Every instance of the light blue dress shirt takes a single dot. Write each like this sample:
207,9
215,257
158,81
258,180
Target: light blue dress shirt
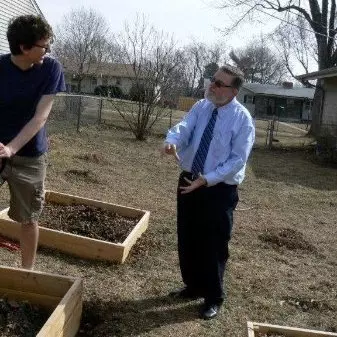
233,138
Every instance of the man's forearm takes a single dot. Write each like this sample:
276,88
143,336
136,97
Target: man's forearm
33,126
26,134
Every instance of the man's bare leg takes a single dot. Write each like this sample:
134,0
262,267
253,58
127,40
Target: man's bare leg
29,241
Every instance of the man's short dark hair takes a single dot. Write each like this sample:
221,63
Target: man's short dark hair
26,30
236,72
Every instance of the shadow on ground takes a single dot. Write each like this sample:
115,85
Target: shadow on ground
134,317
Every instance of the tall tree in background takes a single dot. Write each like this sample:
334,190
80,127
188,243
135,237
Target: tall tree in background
321,18
196,57
296,44
82,43
151,60
210,69
258,63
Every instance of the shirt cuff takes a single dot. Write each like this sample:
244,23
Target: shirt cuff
212,178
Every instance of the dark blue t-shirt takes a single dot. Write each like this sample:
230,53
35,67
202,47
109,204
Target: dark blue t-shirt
20,92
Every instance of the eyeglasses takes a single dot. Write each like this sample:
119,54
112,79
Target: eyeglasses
46,48
219,83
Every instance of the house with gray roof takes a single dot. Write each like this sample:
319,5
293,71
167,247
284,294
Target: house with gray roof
284,101
106,74
10,9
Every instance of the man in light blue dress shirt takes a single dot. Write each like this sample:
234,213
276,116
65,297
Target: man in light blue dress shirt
207,189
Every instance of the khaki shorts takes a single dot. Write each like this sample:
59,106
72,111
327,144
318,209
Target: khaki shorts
25,177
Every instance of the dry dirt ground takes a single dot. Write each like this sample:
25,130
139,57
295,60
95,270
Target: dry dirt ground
283,264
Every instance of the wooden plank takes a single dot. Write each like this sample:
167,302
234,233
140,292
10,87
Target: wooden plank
66,315
72,325
66,309
250,327
9,228
80,245
34,281
139,229
68,199
285,330
45,301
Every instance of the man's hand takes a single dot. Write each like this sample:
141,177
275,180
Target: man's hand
201,181
5,151
170,149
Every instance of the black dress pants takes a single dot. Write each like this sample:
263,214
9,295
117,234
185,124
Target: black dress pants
204,224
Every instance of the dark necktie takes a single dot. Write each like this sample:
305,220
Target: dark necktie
201,154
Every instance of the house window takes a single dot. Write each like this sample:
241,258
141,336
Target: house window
118,81
249,99
104,81
94,81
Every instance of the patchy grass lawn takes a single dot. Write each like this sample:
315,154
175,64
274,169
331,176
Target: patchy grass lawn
283,264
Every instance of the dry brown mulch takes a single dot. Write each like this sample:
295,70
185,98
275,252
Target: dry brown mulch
92,222
288,238
20,319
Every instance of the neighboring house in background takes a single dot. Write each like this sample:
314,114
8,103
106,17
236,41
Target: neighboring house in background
10,9
329,104
120,75
285,101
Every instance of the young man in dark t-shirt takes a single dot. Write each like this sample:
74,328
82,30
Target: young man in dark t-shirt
29,81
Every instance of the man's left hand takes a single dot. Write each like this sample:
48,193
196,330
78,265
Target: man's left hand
201,181
5,151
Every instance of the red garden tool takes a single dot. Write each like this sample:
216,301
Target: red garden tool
10,245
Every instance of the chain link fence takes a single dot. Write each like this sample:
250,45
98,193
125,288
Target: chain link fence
73,112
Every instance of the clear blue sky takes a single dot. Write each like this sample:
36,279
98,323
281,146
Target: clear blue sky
186,19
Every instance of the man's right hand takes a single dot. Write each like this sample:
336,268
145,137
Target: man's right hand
5,151
170,149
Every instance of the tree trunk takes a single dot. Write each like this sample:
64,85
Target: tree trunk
79,86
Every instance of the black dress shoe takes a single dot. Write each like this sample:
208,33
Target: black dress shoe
185,293
209,311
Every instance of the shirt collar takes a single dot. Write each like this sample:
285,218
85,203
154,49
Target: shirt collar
226,106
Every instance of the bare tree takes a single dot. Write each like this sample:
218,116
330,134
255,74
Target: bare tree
196,57
82,43
296,44
150,60
321,17
258,63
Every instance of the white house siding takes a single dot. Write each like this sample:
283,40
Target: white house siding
241,98
123,82
330,105
89,84
10,9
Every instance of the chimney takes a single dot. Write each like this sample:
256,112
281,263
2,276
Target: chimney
287,85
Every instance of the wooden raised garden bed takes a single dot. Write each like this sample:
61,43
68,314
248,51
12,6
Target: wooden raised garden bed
79,245
59,295
266,330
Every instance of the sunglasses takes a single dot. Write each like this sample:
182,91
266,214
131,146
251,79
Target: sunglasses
219,84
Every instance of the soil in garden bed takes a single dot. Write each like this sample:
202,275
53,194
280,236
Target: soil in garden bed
21,319
89,221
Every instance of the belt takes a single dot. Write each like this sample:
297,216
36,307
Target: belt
192,177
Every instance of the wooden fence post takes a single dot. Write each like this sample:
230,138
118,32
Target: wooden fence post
79,101
100,110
